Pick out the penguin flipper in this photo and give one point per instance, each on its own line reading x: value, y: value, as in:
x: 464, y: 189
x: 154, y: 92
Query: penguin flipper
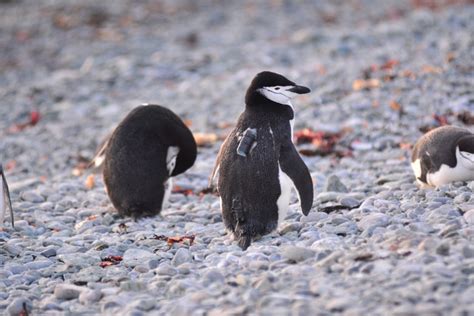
x: 214, y: 177
x: 293, y: 166
x: 6, y: 198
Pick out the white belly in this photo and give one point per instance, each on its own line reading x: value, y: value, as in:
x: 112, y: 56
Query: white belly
x: 284, y: 200
x: 446, y: 174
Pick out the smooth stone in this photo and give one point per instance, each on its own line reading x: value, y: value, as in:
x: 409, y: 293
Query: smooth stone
x: 12, y: 249
x: 349, y: 202
x: 133, y: 286
x: 50, y: 305
x: 289, y: 227
x: 373, y: 220
x: 67, y: 291
x: 90, y: 296
x: 31, y: 196
x: 313, y: 217
x: 144, y: 304
x: 141, y: 268
x: 443, y: 249
x: 136, y: 256
x: 165, y: 269
x: 263, y: 284
x: 339, y: 304
x: 297, y: 254
x: 334, y: 184
x: 89, y: 274
x: 181, y: 256
x: 17, y: 269
x: 153, y: 263
x: 17, y: 306
x: 78, y: 259
x: 469, y: 216
x: 212, y: 276
x: 324, y: 197
x: 39, y: 264
x: 468, y: 252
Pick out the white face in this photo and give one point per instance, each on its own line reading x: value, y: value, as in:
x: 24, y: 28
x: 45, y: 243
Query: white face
x: 466, y: 158
x: 171, y: 156
x: 278, y: 94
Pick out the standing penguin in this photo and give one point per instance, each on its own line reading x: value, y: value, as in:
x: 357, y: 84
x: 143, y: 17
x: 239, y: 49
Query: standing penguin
x: 258, y: 164
x: 147, y: 148
x: 444, y: 155
x: 5, y: 201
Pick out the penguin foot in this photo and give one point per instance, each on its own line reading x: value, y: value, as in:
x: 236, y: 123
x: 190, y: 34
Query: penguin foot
x: 244, y: 242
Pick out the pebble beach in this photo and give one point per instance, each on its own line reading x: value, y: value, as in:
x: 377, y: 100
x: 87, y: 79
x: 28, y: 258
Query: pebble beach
x: 381, y: 73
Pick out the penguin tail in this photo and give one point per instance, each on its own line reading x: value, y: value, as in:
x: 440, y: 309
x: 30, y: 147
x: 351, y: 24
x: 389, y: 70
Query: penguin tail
x: 243, y: 238
x: 244, y: 242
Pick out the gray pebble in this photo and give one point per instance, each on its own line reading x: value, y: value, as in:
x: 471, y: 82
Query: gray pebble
x: 297, y: 254
x: 212, y: 276
x: 349, y: 202
x: 19, y: 305
x: 469, y: 216
x: 468, y: 252
x: 38, y: 264
x: 90, y: 296
x: 373, y: 220
x: 31, y: 196
x: 135, y: 256
x: 334, y: 184
x: 165, y: 269
x: 181, y: 256
x: 67, y: 291
x: 324, y: 197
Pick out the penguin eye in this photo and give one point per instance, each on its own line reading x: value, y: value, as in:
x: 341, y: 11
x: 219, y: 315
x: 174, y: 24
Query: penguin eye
x: 277, y: 88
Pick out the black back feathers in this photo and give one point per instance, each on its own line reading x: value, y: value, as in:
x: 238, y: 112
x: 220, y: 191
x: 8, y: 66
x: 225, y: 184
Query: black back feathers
x: 258, y: 160
x: 440, y: 145
x: 135, y: 165
x: 437, y: 148
x: 466, y: 144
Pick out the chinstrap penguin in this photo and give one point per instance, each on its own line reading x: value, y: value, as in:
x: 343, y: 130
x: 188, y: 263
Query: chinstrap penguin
x: 444, y: 155
x: 258, y: 165
x: 5, y: 201
x: 149, y: 147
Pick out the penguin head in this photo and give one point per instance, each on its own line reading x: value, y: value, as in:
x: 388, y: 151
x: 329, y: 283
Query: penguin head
x: 269, y: 87
x: 181, y: 158
x: 466, y: 151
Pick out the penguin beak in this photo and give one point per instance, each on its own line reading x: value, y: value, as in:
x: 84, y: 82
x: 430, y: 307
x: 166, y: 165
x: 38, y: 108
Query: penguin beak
x: 299, y: 90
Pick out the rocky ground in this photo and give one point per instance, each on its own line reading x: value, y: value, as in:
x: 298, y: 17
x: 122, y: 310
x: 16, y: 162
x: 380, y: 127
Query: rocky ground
x: 381, y: 73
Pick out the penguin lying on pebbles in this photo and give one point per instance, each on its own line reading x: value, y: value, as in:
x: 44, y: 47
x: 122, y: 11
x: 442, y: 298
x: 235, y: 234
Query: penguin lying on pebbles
x: 444, y: 155
x: 149, y: 147
x: 5, y: 201
x: 258, y: 164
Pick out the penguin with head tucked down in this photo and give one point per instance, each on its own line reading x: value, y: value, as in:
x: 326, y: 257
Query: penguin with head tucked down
x: 443, y: 155
x: 5, y: 201
x: 258, y: 165
x: 149, y: 147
